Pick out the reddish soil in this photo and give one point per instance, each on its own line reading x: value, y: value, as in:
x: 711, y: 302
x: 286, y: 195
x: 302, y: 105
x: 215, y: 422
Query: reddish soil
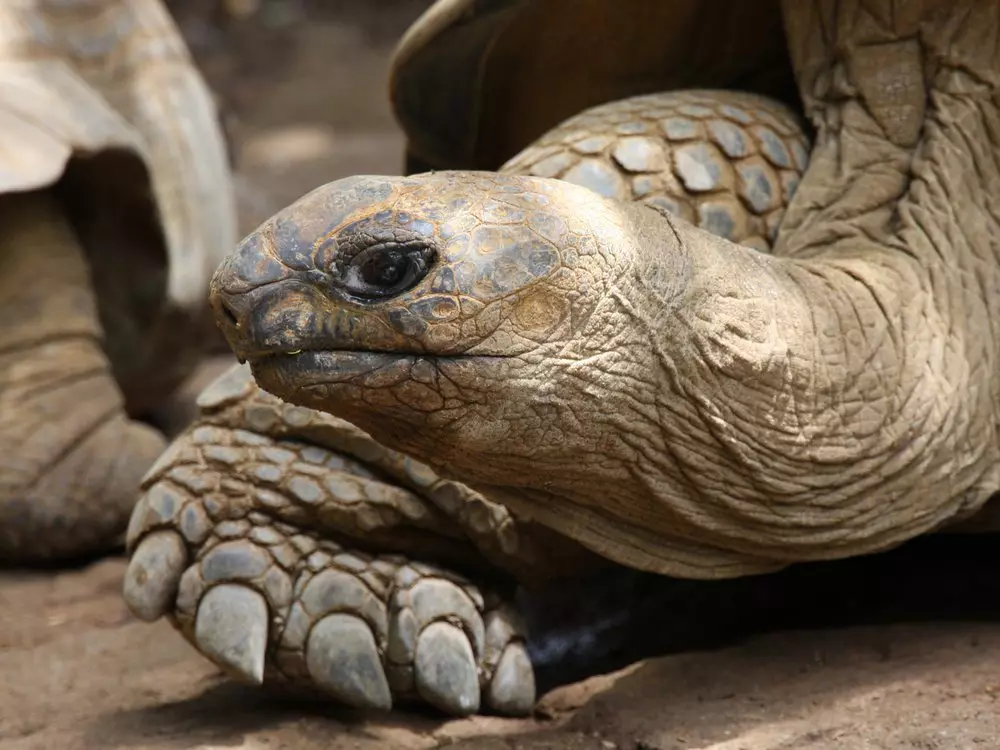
x: 79, y: 674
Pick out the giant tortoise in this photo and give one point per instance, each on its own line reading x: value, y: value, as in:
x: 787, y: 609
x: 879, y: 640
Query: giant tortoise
x: 115, y: 209
x: 465, y: 379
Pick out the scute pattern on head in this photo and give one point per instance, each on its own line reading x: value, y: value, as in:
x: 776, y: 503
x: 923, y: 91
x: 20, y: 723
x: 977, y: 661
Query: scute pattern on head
x: 511, y: 257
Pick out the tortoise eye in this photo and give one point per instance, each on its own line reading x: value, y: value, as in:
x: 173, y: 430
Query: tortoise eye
x: 386, y: 269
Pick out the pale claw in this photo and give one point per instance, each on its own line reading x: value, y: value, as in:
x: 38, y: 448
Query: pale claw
x: 265, y: 599
x: 445, y: 670
x: 153, y: 573
x: 512, y: 689
x: 343, y: 660
x: 231, y: 629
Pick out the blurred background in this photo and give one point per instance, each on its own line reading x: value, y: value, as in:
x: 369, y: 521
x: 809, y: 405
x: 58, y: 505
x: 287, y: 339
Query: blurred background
x: 303, y: 89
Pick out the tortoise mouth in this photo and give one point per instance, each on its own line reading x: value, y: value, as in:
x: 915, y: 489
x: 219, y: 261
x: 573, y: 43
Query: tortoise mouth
x: 374, y: 369
x: 311, y: 366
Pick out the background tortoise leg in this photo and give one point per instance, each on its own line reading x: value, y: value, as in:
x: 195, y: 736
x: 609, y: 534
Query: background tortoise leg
x: 284, y: 545
x: 70, y: 459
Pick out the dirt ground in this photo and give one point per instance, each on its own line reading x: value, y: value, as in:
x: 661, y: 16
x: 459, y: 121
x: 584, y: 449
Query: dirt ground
x: 303, y: 88
x: 77, y: 673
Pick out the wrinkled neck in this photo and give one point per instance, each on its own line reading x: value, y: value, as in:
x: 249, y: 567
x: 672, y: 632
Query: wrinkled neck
x: 790, y: 409
x: 904, y: 101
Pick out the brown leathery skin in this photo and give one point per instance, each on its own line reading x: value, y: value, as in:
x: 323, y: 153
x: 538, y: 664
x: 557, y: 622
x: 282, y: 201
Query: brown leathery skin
x: 730, y: 161
x: 355, y: 355
x: 680, y: 392
x: 672, y: 401
x: 274, y: 282
x: 250, y: 451
x: 254, y: 469
x: 500, y: 248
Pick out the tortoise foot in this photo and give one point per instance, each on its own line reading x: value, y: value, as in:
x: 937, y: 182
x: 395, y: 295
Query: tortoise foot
x: 71, y: 460
x: 274, y: 588
x: 271, y: 605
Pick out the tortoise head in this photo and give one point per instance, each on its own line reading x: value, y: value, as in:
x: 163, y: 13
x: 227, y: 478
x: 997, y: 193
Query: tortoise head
x: 399, y: 298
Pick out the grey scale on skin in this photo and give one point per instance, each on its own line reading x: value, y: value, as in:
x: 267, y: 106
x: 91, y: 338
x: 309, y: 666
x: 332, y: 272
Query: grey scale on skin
x: 579, y: 361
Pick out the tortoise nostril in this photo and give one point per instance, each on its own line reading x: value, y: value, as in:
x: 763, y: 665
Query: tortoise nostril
x: 228, y: 315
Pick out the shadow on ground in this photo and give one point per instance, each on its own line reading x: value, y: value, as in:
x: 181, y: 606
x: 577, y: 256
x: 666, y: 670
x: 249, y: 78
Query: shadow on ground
x: 896, y: 651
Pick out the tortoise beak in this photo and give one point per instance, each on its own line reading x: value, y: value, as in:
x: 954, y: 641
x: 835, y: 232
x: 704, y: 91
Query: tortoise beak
x: 261, y: 315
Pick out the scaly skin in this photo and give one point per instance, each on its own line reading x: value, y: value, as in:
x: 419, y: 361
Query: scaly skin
x: 282, y: 471
x: 726, y: 162
x: 670, y: 400
x: 270, y: 497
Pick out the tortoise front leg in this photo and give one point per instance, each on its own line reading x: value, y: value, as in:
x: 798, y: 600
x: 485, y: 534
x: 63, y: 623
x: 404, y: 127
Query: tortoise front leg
x: 70, y: 459
x: 291, y: 549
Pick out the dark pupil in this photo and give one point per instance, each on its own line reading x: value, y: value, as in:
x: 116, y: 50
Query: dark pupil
x: 384, y: 269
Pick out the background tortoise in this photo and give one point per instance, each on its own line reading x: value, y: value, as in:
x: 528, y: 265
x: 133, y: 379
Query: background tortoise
x: 612, y: 382
x: 116, y: 207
